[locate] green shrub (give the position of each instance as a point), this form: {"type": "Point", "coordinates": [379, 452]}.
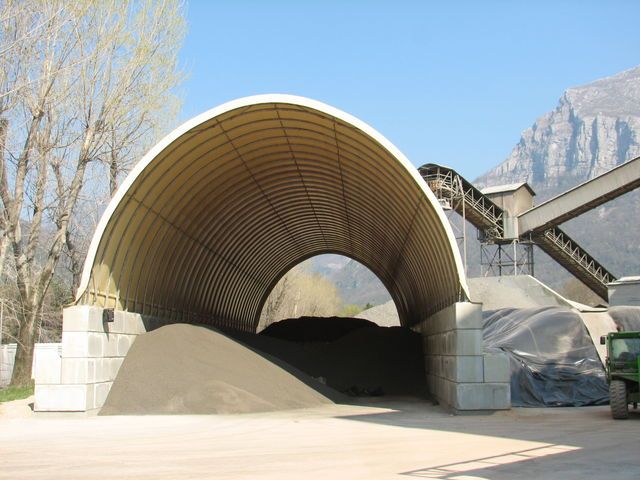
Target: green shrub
{"type": "Point", "coordinates": [15, 393]}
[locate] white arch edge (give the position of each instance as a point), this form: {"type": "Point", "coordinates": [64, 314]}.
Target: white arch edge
{"type": "Point", "coordinates": [257, 100]}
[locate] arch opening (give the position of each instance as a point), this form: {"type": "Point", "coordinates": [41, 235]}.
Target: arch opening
{"type": "Point", "coordinates": [212, 217]}
{"type": "Point", "coordinates": [329, 285]}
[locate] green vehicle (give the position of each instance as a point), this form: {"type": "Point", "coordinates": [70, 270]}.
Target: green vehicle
{"type": "Point", "coordinates": [623, 371]}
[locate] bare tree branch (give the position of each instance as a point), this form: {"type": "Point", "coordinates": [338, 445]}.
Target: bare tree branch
{"type": "Point", "coordinates": [85, 88]}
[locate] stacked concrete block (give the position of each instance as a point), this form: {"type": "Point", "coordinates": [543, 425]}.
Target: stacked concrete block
{"type": "Point", "coordinates": [46, 361]}
{"type": "Point", "coordinates": [7, 356]}
{"type": "Point", "coordinates": [459, 374]}
{"type": "Point", "coordinates": [92, 351]}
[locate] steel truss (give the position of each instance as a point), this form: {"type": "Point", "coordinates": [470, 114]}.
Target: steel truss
{"type": "Point", "coordinates": [501, 256]}
{"type": "Point", "coordinates": [515, 258]}
{"type": "Point", "coordinates": [587, 269]}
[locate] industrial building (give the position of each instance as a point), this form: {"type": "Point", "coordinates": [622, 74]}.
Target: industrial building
{"type": "Point", "coordinates": [216, 213]}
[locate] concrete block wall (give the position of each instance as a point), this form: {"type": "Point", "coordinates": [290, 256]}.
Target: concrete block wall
{"type": "Point", "coordinates": [46, 356]}
{"type": "Point", "coordinates": [91, 355]}
{"type": "Point", "coordinates": [459, 374]}
{"type": "Point", "coordinates": [7, 356]}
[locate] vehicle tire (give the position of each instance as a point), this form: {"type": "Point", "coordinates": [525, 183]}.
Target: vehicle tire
{"type": "Point", "coordinates": [618, 400]}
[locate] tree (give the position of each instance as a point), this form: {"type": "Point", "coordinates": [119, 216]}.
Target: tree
{"type": "Point", "coordinates": [350, 310]}
{"type": "Point", "coordinates": [300, 293]}
{"type": "Point", "coordinates": [84, 86]}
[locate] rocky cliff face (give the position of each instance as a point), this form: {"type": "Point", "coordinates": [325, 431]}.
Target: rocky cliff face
{"type": "Point", "coordinates": [594, 128]}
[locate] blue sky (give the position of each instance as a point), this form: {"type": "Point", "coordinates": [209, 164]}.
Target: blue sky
{"type": "Point", "coordinates": [446, 82]}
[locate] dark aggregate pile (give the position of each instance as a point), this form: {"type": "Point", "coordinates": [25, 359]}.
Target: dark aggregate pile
{"type": "Point", "coordinates": [368, 360]}
{"type": "Point", "coordinates": [315, 329]}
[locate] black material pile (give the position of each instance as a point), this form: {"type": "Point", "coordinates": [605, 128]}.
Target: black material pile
{"type": "Point", "coordinates": [315, 329]}
{"type": "Point", "coordinates": [350, 355]}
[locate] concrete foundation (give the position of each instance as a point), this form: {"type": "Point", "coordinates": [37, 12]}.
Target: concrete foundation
{"type": "Point", "coordinates": [459, 374]}
{"type": "Point", "coordinates": [46, 359]}
{"type": "Point", "coordinates": [91, 354]}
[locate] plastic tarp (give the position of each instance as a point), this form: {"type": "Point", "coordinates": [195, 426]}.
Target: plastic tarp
{"type": "Point", "coordinates": [627, 318]}
{"type": "Point", "coordinates": [552, 358]}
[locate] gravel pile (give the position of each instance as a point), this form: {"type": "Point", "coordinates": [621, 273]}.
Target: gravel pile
{"type": "Point", "coordinates": [187, 369]}
{"type": "Point", "coordinates": [370, 360]}
{"type": "Point", "coordinates": [385, 315]}
{"type": "Point", "coordinates": [315, 329]}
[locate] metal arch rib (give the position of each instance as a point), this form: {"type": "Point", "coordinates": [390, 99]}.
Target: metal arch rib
{"type": "Point", "coordinates": [359, 197]}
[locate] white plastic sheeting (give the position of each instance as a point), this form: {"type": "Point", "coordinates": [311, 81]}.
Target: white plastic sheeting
{"type": "Point", "coordinates": [553, 360]}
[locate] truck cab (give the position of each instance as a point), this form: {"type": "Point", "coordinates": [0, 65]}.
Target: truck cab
{"type": "Point", "coordinates": [623, 371]}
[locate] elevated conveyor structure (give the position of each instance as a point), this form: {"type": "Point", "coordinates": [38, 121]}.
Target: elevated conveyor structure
{"type": "Point", "coordinates": [575, 259]}
{"type": "Point", "coordinates": [582, 198]}
{"type": "Point", "coordinates": [450, 187]}
{"type": "Point", "coordinates": [539, 224]}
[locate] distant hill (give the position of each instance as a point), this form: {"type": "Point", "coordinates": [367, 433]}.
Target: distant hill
{"type": "Point", "coordinates": [356, 284]}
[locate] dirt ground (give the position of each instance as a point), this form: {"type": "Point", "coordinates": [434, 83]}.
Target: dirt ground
{"type": "Point", "coordinates": [401, 438]}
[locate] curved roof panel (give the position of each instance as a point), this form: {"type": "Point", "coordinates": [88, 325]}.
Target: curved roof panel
{"type": "Point", "coordinates": [213, 216]}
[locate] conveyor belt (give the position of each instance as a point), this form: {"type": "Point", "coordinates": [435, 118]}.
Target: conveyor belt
{"type": "Point", "coordinates": [582, 198]}
{"type": "Point", "coordinates": [575, 259]}
{"type": "Point", "coordinates": [450, 187]}
{"type": "Point", "coordinates": [447, 184]}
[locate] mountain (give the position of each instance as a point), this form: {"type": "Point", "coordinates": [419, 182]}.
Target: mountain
{"type": "Point", "coordinates": [593, 128]}
{"type": "Point", "coordinates": [356, 284]}
{"type": "Point", "coordinates": [359, 286]}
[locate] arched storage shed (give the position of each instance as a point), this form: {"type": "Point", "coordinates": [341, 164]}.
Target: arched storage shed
{"type": "Point", "coordinates": [213, 216]}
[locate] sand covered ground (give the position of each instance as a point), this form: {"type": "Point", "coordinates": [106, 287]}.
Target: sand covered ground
{"type": "Point", "coordinates": [401, 440]}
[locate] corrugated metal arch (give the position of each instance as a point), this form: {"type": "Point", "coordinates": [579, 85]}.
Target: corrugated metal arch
{"type": "Point", "coordinates": [213, 216]}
